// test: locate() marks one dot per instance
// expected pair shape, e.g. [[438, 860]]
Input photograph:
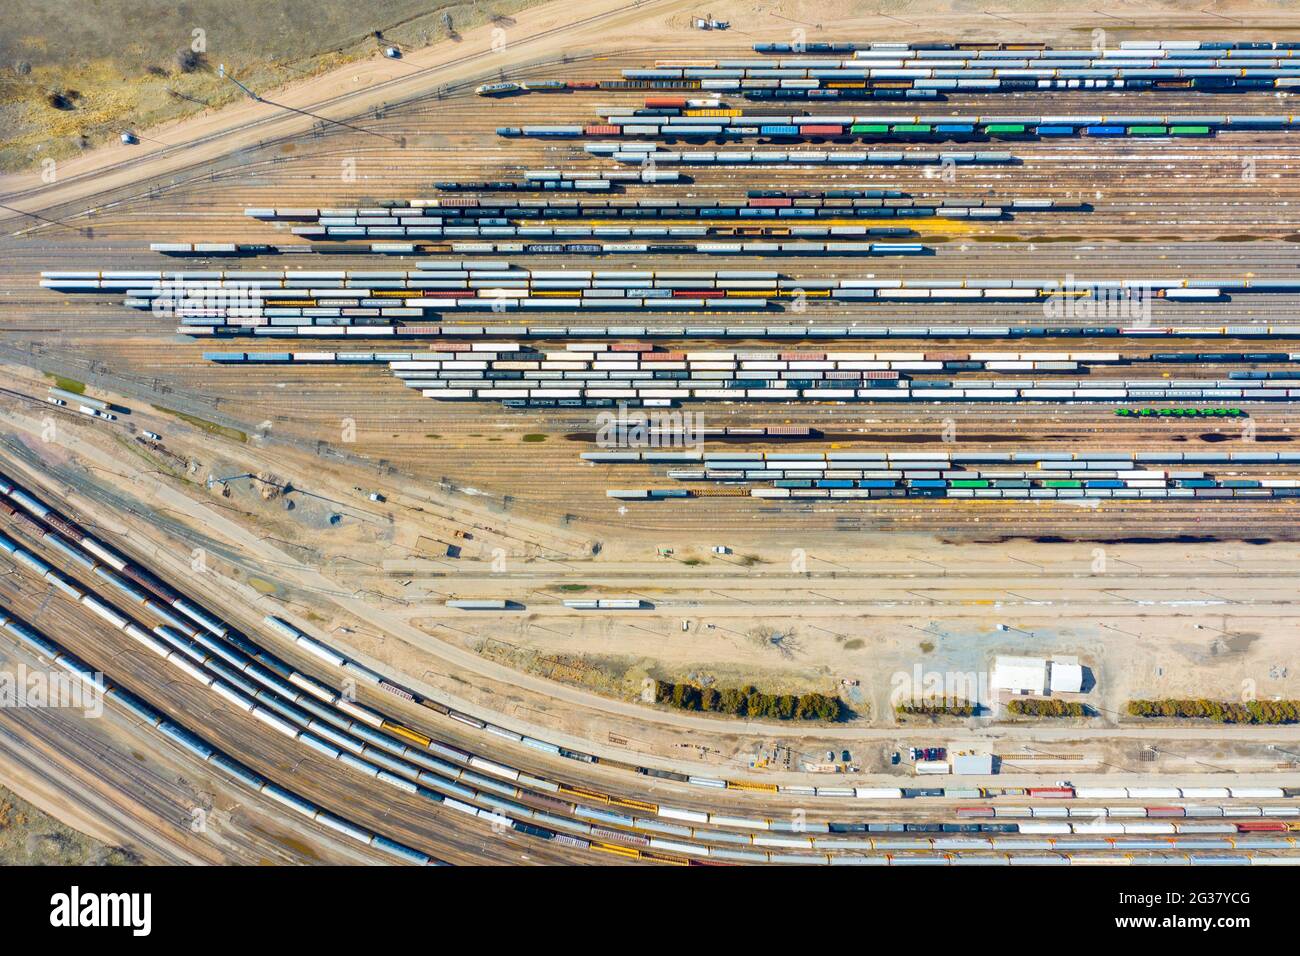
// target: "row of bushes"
[[1035, 707], [748, 701], [1219, 711], [937, 706]]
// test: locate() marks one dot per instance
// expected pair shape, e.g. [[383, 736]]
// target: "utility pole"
[[221, 71]]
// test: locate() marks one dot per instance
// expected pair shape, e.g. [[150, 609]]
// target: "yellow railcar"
[[584, 793], [624, 851], [634, 804], [406, 732]]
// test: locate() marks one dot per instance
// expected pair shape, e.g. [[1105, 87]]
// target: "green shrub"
[[936, 707], [1034, 707], [732, 701], [1219, 711], [749, 701]]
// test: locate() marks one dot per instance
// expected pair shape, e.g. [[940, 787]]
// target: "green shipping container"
[[1003, 128], [869, 128], [1148, 131], [1190, 130], [911, 128], [1062, 483], [968, 483]]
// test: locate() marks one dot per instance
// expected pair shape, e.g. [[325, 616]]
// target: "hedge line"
[[939, 706], [748, 701], [1219, 711], [1034, 707]]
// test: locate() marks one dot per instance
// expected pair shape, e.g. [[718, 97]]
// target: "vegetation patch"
[[1219, 711], [749, 701], [938, 707], [1033, 707], [69, 384], [31, 837], [211, 427]]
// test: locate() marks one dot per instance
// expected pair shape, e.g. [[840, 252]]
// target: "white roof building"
[[1020, 675], [1066, 678], [978, 764]]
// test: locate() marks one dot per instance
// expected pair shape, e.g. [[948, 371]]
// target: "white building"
[[1067, 677], [1019, 675], [977, 764]]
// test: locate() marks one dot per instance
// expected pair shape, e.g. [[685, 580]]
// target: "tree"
[[749, 701], [187, 60], [733, 701], [686, 697], [663, 692], [1222, 712]]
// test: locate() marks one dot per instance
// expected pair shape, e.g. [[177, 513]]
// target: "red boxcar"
[[1051, 793]]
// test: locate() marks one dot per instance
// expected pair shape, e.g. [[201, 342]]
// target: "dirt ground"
[[138, 81], [29, 837]]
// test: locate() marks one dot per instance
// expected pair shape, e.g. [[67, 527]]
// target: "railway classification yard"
[[868, 441]]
